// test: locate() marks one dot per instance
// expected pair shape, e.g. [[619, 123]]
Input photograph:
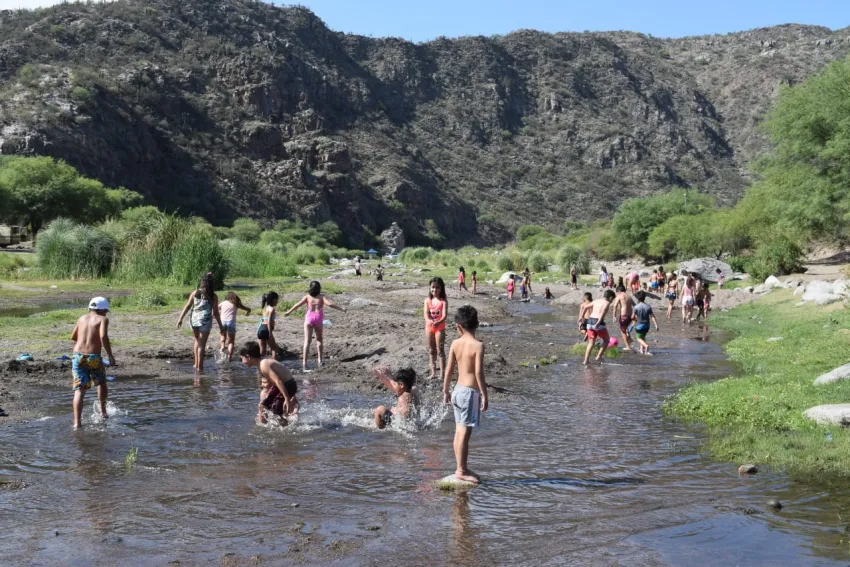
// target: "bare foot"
[[76, 426], [467, 477]]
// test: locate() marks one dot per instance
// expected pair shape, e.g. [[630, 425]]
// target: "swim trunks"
[[573, 278], [88, 371], [263, 332], [229, 327], [466, 402], [583, 325], [671, 295], [387, 418], [597, 329], [689, 301], [274, 400], [641, 331], [625, 321]]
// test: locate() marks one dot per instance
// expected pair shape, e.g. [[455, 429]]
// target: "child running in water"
[[596, 325], [204, 305], [688, 299], [403, 385], [436, 311], [526, 280], [461, 280], [706, 300], [642, 316], [228, 309], [469, 397], [672, 292], [547, 294], [91, 337], [622, 310], [313, 320], [265, 330], [511, 286], [584, 313], [277, 396], [474, 282]]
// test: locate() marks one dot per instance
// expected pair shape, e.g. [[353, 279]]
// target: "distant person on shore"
[[671, 292], [548, 294], [204, 305], [574, 276], [469, 397], [510, 287], [358, 267], [526, 279], [642, 316], [379, 273], [228, 309], [474, 282], [313, 320], [461, 280], [265, 330], [622, 310], [603, 277], [277, 396], [403, 386], [91, 338], [583, 313], [436, 310], [596, 325], [721, 278]]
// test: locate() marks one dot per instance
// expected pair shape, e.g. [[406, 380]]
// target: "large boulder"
[[393, 238], [830, 414], [836, 375], [506, 276], [706, 268], [824, 293]]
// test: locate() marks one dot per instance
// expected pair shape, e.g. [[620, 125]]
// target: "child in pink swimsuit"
[[313, 319]]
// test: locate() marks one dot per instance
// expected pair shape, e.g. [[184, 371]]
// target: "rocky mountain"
[[228, 108]]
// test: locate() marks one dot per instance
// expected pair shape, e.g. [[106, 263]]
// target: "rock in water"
[[393, 238], [451, 482], [748, 469], [706, 268]]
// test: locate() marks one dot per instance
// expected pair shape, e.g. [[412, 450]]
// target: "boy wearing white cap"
[[91, 336]]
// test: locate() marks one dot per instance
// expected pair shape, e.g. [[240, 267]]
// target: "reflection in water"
[[577, 462]]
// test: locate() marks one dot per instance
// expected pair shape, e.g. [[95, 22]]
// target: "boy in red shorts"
[[596, 325]]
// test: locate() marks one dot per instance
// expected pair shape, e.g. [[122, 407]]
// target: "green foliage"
[[538, 262], [528, 231], [637, 218], [246, 230], [415, 255], [574, 256], [310, 254], [504, 263], [257, 261], [197, 253], [70, 250], [12, 265], [779, 256]]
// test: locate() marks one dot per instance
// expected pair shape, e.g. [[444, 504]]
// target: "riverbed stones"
[[706, 268], [748, 469], [825, 293], [362, 302], [835, 375], [829, 414], [772, 282]]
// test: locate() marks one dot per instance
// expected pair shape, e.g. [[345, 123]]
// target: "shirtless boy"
[[279, 389], [402, 384], [91, 336], [622, 310], [584, 313], [596, 325], [469, 397]]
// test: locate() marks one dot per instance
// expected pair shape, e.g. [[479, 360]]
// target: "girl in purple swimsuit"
[[314, 319]]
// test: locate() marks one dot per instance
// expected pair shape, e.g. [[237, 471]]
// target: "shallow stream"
[[580, 467]]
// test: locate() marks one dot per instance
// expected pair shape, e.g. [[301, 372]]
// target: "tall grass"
[[197, 253], [12, 265], [67, 250], [257, 261]]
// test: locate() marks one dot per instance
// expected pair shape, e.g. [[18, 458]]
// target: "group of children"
[[625, 310], [524, 286]]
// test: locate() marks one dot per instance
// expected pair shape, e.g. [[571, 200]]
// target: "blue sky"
[[426, 20]]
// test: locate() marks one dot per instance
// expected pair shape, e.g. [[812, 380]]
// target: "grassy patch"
[[757, 417]]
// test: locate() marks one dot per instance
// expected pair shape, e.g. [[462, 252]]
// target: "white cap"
[[99, 304]]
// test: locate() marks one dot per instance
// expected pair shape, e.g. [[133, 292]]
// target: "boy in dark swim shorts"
[[278, 386], [403, 384], [642, 316], [596, 325], [91, 336]]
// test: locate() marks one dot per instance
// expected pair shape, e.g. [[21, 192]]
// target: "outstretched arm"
[[382, 374], [239, 305], [296, 306], [333, 305]]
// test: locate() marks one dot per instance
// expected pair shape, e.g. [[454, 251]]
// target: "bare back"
[[88, 333], [626, 304], [467, 353]]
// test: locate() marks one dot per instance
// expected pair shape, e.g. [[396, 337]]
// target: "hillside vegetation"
[[235, 108]]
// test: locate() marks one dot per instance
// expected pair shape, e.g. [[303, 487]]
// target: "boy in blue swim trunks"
[[642, 316], [91, 337], [469, 397]]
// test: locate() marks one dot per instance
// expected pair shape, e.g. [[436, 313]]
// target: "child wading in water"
[[469, 397], [265, 330], [313, 320], [278, 387], [672, 292], [510, 287], [228, 309], [706, 307], [622, 309], [596, 325], [91, 337], [584, 313], [461, 280], [436, 310], [204, 305], [643, 315], [402, 384]]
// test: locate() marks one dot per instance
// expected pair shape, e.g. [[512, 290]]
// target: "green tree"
[[246, 230]]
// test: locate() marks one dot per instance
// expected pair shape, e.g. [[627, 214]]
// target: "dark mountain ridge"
[[238, 108]]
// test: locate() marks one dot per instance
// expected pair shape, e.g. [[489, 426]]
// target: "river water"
[[580, 467]]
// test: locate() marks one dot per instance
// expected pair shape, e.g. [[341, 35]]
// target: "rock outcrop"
[[393, 239], [706, 268]]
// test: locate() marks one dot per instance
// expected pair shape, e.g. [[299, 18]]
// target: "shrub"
[[309, 253], [527, 231], [12, 264], [415, 255], [257, 261], [246, 230], [538, 262], [778, 257], [196, 254], [504, 263], [69, 250], [738, 263], [573, 255]]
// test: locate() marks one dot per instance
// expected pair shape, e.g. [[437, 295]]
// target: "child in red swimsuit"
[[461, 279], [436, 309]]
